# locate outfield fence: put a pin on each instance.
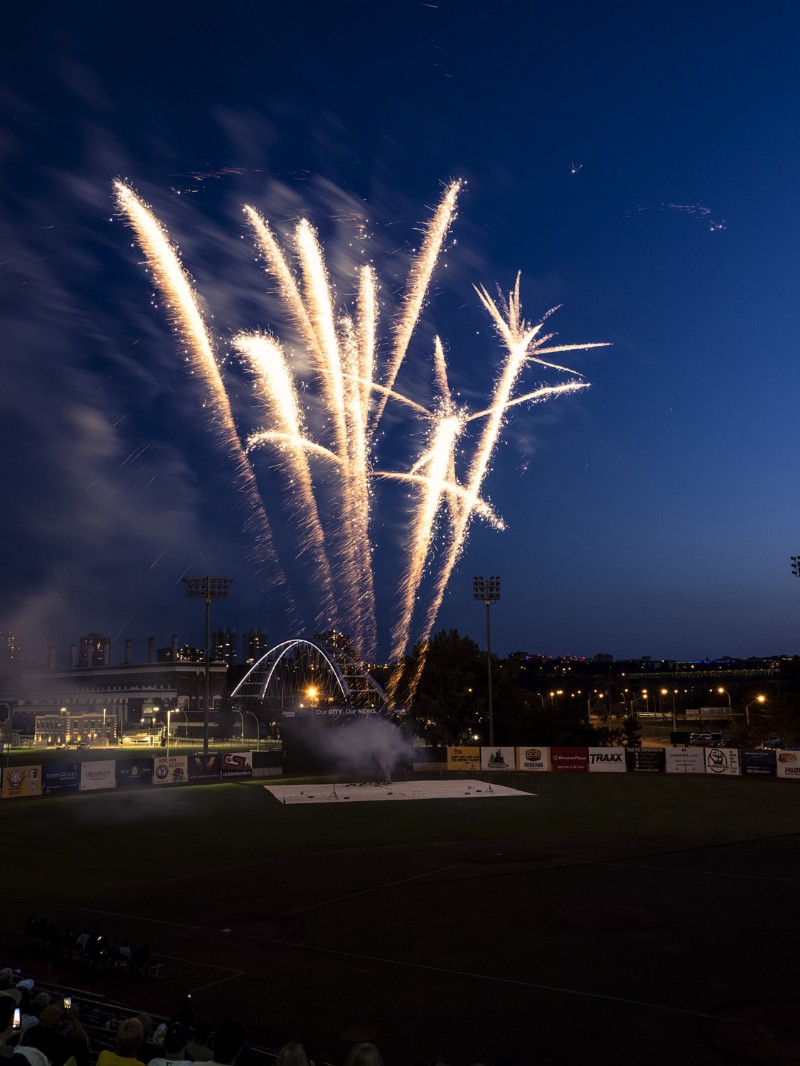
(164, 771)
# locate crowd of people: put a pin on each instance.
(98, 951)
(40, 1029)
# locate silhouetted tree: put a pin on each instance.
(450, 698)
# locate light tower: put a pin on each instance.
(488, 592)
(208, 589)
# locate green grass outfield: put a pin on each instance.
(652, 916)
(207, 826)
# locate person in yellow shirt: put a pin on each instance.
(130, 1035)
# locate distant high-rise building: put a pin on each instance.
(223, 646)
(94, 650)
(10, 651)
(334, 638)
(254, 644)
(187, 654)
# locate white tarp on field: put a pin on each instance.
(345, 792)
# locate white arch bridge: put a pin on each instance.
(300, 675)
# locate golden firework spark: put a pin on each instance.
(173, 283)
(328, 436)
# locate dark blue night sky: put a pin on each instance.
(639, 164)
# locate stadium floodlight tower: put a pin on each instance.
(488, 592)
(208, 589)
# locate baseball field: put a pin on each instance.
(606, 917)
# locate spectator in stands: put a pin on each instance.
(292, 1054)
(28, 1015)
(174, 1047)
(6, 977)
(59, 1035)
(197, 1048)
(227, 1044)
(9, 1001)
(364, 1055)
(9, 1054)
(130, 1037)
(38, 1003)
(148, 1049)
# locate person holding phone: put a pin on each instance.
(59, 1035)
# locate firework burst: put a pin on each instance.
(330, 469)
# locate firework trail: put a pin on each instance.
(341, 364)
(439, 464)
(420, 278)
(275, 388)
(518, 339)
(173, 282)
(353, 395)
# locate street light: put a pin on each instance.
(180, 710)
(241, 725)
(724, 692)
(488, 592)
(258, 729)
(758, 699)
(208, 589)
(665, 692)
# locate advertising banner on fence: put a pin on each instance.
(60, 777)
(685, 761)
(136, 772)
(533, 759)
(203, 768)
(21, 781)
(100, 774)
(236, 764)
(570, 760)
(463, 758)
(646, 760)
(758, 763)
(607, 761)
(787, 764)
(722, 761)
(497, 759)
(170, 770)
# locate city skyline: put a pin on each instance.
(640, 177)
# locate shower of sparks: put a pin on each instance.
(329, 469)
(173, 283)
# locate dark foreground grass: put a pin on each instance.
(608, 918)
(76, 844)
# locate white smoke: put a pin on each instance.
(364, 745)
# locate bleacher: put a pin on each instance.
(101, 1015)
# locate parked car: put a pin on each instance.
(772, 742)
(706, 740)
